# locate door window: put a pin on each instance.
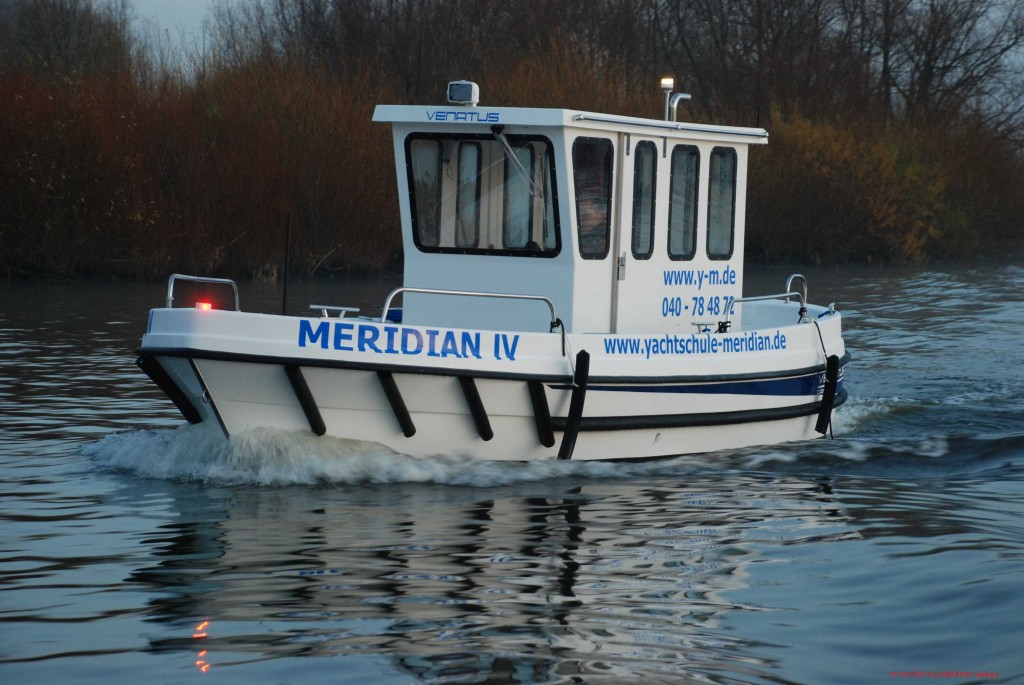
(682, 207)
(721, 202)
(644, 168)
(592, 173)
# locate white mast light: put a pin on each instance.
(667, 84)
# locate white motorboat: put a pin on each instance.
(572, 289)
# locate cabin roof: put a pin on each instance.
(457, 115)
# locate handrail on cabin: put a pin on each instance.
(468, 293)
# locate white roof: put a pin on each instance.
(456, 115)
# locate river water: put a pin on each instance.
(131, 548)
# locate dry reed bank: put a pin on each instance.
(118, 160)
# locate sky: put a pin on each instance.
(176, 18)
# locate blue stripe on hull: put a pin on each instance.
(782, 387)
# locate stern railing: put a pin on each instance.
(199, 279)
(789, 293)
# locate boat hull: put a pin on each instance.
(491, 395)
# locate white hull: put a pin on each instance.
(232, 369)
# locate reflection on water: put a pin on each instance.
(129, 543)
(609, 580)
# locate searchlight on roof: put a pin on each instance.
(464, 93)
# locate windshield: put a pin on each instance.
(483, 194)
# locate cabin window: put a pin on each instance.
(518, 222)
(467, 204)
(479, 194)
(721, 202)
(424, 177)
(644, 166)
(592, 171)
(682, 204)
(551, 240)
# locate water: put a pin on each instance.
(129, 547)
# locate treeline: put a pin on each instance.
(896, 125)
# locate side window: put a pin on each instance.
(682, 206)
(592, 172)
(467, 211)
(425, 177)
(721, 202)
(644, 167)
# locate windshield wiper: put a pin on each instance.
(510, 155)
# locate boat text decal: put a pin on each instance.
(696, 343)
(469, 116)
(429, 342)
(679, 306)
(700, 277)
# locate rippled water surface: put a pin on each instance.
(131, 547)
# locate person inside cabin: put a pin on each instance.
(593, 218)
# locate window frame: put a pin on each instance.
(549, 183)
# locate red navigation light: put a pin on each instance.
(204, 305)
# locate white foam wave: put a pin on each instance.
(273, 458)
(269, 457)
(857, 411)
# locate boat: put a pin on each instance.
(572, 289)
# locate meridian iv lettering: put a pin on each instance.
(431, 342)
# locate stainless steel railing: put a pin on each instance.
(199, 279)
(468, 293)
(325, 310)
(802, 295)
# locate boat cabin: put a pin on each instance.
(625, 224)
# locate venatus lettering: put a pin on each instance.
(467, 116)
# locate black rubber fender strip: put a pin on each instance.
(541, 413)
(725, 418)
(152, 368)
(305, 398)
(579, 394)
(828, 394)
(397, 402)
(476, 407)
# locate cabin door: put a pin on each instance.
(679, 235)
(636, 302)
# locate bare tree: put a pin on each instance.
(951, 55)
(63, 38)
